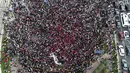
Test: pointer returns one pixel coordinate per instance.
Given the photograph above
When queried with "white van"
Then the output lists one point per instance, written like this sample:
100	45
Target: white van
125	19
121	50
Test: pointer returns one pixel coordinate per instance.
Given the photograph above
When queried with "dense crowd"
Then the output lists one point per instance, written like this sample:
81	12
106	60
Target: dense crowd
57	35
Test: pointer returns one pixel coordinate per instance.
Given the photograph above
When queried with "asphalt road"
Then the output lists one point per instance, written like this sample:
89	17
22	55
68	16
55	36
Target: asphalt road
127	43
124	43
126	57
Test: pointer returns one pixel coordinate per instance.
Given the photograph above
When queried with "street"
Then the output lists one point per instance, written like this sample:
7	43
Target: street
122	41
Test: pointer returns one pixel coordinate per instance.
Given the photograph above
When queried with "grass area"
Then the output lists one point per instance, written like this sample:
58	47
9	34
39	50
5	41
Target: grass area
5	66
104	70
105	47
101	67
113	44
2	63
114	64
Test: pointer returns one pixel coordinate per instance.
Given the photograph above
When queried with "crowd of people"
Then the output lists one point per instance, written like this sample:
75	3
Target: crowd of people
57	35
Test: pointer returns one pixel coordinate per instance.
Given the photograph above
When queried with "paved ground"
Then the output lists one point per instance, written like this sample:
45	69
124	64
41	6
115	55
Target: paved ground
3	5
97	63
15	65
118	56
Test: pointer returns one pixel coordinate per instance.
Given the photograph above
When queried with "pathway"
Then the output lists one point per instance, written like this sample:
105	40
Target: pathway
97	63
3	5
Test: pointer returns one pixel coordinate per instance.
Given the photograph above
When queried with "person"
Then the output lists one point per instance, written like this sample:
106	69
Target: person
55	29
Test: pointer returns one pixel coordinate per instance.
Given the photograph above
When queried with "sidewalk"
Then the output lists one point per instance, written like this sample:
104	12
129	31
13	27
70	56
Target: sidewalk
3	5
97	63
118	56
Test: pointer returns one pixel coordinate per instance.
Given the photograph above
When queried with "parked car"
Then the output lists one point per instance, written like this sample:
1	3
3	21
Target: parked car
121	50
125	72
121	35
125	19
118	24
126	35
128	70
127	7
128	49
122	7
124	64
117	18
